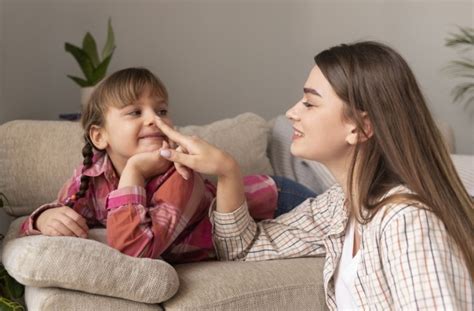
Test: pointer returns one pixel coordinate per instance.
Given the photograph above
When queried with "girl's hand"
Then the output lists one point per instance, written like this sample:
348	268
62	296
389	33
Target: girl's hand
62	221
197	154
142	166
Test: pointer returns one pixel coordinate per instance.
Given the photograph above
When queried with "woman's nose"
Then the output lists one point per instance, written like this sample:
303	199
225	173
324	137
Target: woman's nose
292	113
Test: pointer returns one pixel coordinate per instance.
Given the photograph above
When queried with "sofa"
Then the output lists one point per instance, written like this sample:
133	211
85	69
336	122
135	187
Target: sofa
66	273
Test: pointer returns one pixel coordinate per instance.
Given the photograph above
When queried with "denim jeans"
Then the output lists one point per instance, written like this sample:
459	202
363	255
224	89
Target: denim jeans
290	194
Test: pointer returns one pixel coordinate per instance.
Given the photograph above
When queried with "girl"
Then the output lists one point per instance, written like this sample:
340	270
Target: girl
148	208
397	230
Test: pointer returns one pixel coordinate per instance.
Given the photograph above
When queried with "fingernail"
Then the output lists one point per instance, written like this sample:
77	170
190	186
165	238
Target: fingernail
165	153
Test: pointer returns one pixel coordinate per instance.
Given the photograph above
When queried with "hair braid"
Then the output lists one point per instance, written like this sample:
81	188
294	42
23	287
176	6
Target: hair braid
87	153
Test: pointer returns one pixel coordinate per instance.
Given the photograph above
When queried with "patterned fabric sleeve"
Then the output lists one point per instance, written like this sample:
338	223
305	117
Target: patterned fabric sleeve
147	231
295	234
70	187
423	266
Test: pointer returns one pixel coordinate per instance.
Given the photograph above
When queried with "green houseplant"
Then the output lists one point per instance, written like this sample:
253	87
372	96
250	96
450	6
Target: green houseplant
11	292
463	68
93	66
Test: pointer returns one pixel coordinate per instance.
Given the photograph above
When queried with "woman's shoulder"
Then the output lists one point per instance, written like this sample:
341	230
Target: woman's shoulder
404	212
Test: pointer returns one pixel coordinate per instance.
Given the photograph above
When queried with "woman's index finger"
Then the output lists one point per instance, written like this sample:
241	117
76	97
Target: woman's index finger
170	132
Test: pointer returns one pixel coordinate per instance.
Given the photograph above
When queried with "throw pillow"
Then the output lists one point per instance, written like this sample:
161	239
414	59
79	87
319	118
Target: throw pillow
86	265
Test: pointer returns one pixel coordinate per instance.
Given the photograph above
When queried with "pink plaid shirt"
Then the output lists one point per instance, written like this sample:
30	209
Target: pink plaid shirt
167	218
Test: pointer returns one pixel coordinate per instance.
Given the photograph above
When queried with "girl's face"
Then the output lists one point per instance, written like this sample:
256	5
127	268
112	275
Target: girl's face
320	133
131	129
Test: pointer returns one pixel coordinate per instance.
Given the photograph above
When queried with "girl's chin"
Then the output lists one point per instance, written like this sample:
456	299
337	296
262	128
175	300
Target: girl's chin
151	148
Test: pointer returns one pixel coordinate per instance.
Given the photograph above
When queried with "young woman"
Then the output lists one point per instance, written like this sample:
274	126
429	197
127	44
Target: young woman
397	229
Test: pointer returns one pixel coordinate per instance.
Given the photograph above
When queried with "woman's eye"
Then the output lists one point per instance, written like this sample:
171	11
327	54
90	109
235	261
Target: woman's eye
307	104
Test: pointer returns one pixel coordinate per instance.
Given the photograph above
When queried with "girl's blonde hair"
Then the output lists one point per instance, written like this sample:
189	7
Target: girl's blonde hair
406	147
120	89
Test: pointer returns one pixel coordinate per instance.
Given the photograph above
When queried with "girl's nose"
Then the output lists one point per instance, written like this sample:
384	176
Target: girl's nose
150	118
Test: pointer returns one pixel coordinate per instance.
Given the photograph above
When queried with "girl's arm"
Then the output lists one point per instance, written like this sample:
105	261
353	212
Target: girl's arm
423	266
55	219
142	230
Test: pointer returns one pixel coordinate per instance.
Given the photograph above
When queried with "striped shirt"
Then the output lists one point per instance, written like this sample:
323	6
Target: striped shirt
167	218
408	261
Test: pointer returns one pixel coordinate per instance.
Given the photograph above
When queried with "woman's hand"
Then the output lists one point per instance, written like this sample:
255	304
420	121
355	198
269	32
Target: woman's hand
62	221
205	158
197	154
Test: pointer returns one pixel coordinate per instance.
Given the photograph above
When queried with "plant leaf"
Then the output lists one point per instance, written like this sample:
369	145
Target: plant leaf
80	82
9	287
8	305
465	37
462	90
82	58
109	46
100	71
89	46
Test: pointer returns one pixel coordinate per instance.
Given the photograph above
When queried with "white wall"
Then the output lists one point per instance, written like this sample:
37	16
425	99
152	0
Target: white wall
4	218
220	58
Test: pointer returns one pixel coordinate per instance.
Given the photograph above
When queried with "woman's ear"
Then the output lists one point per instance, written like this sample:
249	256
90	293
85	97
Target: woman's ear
98	137
355	135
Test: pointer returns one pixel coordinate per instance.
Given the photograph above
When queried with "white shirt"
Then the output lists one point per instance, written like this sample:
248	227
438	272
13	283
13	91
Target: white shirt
346	272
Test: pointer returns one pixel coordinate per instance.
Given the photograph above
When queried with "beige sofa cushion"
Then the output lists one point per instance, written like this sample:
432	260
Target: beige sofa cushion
86	265
290	284
56	299
37	157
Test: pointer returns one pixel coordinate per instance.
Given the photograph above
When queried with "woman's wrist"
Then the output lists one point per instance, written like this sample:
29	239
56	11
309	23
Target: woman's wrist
230	188
229	167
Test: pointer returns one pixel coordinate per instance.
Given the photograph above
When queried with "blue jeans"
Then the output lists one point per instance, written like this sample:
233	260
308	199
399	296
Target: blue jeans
290	194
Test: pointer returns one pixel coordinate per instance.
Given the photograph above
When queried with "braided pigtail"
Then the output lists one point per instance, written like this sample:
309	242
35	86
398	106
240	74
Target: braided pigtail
87	153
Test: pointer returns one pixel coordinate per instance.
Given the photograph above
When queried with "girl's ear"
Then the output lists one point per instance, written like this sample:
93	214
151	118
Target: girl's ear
356	136
98	137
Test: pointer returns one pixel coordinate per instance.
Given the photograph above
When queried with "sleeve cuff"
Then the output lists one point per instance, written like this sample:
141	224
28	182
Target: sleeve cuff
124	196
231	224
29	226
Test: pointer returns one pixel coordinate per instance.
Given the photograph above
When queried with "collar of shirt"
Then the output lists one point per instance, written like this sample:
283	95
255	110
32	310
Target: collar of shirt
101	164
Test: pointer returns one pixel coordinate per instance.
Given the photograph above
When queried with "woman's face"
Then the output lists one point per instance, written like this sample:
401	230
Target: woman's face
320	133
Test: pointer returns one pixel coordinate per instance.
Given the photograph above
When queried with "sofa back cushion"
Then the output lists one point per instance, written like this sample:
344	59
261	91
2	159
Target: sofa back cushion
37	157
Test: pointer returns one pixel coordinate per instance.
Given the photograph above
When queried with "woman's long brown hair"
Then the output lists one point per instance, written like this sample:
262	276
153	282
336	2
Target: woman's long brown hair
406	147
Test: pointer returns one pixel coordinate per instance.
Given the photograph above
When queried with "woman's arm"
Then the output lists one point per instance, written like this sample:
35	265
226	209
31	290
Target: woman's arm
423	266
298	233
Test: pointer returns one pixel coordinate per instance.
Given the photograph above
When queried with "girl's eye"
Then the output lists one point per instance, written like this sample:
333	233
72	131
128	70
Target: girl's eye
308	105
162	112
135	113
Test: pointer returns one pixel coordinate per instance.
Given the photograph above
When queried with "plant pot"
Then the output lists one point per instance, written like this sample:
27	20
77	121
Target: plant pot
86	94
